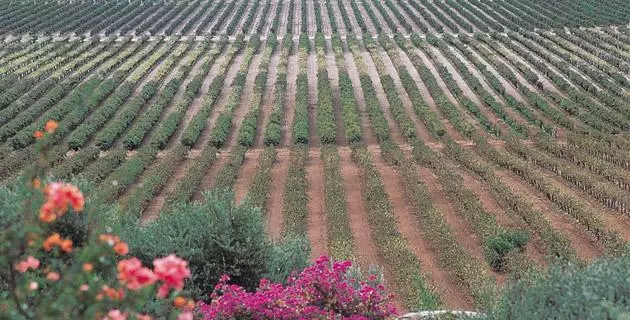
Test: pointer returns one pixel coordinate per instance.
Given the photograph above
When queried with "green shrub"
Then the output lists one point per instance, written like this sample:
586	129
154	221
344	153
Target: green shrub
499	247
217	237
567	291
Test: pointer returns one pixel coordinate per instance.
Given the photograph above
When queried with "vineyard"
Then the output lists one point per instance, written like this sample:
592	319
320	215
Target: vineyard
454	143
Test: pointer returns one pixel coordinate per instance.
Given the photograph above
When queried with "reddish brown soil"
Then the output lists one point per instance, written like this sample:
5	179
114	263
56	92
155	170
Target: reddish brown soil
461	83
333	78
254	26
613	220
243	18
221	101
268	101
427	96
273	210
157	203
447	286
310	14
341	27
179	96
317	233
366	17
267	27
312	99
205	87
282	25
384	26
365	249
248	169
585	245
421	128
394	129
208	179
367	132
289	102
460	228
326	29
246	98
534	250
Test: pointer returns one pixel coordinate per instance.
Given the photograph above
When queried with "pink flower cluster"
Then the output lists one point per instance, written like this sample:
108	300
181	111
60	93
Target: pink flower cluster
322	291
171	270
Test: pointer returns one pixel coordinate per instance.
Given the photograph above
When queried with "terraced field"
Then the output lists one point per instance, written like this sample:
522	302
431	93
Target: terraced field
409	134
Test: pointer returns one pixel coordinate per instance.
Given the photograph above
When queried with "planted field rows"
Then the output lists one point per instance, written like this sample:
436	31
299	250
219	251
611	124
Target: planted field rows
456	143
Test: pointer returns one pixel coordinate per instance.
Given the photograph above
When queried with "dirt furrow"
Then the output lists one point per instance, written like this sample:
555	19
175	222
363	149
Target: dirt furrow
198	102
166	25
384	26
239	26
366	18
219	104
297	19
135	93
231	16
157	203
341	27
333	76
269	99
534	250
312	99
435	18
267	27
284	19
246	173
258	16
365	250
213	22
508	85
208	180
421	128
326	28
611	219
470	94
317	233
414	27
191	31
246	98
446	285
394	129
177	30
585	245
289	99
273	210
461	230
310	14
427	96
417	29
367	132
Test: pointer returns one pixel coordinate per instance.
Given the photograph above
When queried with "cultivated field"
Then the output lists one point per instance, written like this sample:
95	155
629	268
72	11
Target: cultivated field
403	133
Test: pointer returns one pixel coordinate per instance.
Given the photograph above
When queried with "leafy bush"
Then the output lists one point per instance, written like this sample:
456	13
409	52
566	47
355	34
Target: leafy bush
499	247
217	237
567	291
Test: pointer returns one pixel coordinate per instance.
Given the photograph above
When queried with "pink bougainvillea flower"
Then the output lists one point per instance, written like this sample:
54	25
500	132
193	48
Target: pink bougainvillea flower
115	314
30	263
172	271
133	275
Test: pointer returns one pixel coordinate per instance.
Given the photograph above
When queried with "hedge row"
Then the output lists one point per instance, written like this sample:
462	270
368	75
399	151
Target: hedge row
262	181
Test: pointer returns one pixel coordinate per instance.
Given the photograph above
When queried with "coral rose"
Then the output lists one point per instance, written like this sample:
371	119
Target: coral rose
132	274
172	271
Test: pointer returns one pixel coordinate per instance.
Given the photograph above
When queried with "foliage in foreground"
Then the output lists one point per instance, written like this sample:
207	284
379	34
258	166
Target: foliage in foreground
567	291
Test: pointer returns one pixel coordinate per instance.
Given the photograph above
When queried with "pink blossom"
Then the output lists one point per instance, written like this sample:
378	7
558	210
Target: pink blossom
29	263
172	271
133	275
